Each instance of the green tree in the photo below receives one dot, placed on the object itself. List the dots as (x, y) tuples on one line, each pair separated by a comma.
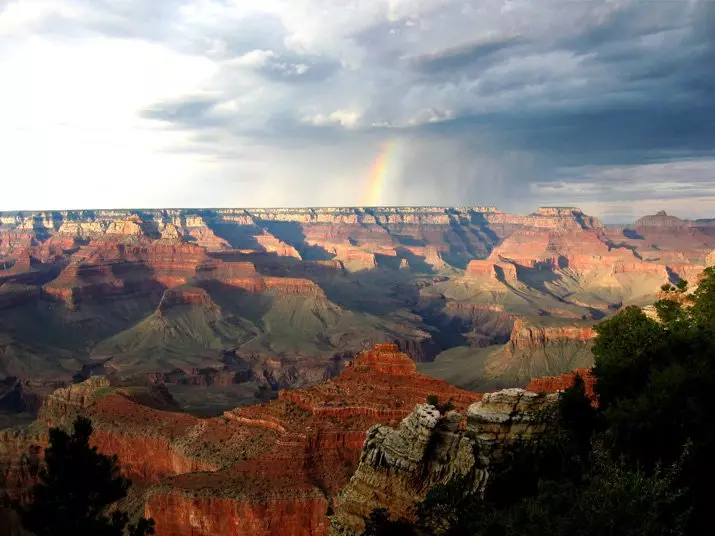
[(75, 489), (626, 348), (656, 381), (611, 498), (577, 417), (703, 311)]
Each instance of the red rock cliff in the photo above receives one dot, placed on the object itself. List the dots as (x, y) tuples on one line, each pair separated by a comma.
[(554, 384), (525, 336), (270, 469)]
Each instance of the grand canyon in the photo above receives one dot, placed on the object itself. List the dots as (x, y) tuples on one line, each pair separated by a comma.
[(246, 365)]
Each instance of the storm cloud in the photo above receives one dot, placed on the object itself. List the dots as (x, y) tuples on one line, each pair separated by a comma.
[(606, 104)]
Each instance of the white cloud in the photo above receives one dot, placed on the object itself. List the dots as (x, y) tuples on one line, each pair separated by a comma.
[(346, 118), (254, 59)]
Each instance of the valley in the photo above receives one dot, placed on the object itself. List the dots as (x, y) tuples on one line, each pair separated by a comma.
[(244, 302)]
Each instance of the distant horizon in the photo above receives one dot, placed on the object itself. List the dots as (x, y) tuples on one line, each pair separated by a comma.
[(605, 221)]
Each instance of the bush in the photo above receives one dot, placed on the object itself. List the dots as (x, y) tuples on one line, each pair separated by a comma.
[(433, 400)]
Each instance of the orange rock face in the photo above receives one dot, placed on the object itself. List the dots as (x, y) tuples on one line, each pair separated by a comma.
[(210, 515), (109, 268), (525, 336), (553, 384)]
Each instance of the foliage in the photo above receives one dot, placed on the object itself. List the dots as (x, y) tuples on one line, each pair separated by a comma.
[(577, 417), (656, 381), (75, 489), (433, 400), (380, 524), (611, 499)]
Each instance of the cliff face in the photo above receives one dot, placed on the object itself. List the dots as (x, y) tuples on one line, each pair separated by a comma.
[(398, 466), (554, 384), (310, 441), (269, 469), (526, 336), (21, 453), (109, 268), (189, 516)]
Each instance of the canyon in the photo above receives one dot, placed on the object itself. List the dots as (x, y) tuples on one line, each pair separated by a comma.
[(272, 468), (248, 365), (314, 461), (226, 306)]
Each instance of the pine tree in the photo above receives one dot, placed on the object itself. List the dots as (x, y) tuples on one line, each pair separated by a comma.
[(75, 489)]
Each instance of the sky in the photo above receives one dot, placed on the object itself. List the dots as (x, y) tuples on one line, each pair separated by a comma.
[(605, 105)]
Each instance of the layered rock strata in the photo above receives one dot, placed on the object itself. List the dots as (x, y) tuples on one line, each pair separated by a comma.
[(527, 336), (555, 384), (270, 469), (399, 465)]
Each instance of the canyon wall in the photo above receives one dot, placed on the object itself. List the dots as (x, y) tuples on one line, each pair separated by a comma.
[(268, 469), (554, 384), (527, 336)]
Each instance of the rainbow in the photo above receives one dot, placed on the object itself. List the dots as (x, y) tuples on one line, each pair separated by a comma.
[(382, 170)]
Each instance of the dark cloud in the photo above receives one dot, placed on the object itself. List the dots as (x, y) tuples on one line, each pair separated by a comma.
[(480, 53)]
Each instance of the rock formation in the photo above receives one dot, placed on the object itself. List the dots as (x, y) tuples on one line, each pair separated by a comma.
[(399, 465), (270, 469), (527, 336), (660, 219)]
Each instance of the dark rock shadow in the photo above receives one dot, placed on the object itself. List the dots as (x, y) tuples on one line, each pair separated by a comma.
[(291, 232), (417, 262), (632, 234), (238, 236)]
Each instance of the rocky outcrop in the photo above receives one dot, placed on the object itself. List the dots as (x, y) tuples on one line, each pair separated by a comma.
[(286, 286), (710, 259), (660, 220), (354, 259), (381, 383), (526, 336), (62, 406), (271, 244), (490, 272), (183, 296), (398, 466)]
